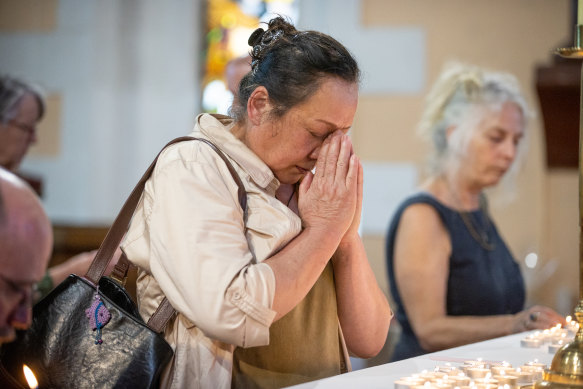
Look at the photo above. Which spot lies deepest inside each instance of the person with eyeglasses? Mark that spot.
(22, 106)
(22, 264)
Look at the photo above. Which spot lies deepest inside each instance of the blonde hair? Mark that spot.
(461, 97)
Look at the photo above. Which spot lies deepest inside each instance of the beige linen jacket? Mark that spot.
(189, 237)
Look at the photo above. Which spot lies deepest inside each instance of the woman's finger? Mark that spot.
(332, 160)
(305, 184)
(321, 161)
(352, 174)
(342, 164)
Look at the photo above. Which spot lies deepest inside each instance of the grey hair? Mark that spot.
(12, 91)
(461, 97)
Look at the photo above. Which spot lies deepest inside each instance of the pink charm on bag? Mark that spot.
(98, 316)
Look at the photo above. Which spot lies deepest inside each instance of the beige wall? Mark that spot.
(511, 35)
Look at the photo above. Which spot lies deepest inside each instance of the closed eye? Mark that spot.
(318, 136)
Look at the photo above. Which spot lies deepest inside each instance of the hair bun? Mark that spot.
(255, 37)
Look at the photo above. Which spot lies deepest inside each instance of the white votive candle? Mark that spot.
(477, 372)
(506, 379)
(524, 377)
(485, 386)
(535, 364)
(449, 370)
(486, 380)
(502, 369)
(426, 385)
(461, 379)
(531, 342)
(554, 347)
(536, 371)
(408, 382)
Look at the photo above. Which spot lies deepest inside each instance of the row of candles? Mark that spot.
(475, 374)
(556, 337)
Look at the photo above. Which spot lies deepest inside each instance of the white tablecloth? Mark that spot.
(506, 348)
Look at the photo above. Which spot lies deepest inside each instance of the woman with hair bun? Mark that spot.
(280, 294)
(451, 275)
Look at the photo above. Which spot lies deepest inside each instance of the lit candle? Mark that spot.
(502, 368)
(506, 379)
(477, 372)
(461, 379)
(487, 380)
(30, 378)
(486, 386)
(442, 385)
(546, 336)
(426, 385)
(408, 382)
(524, 377)
(474, 362)
(553, 348)
(447, 368)
(531, 342)
(535, 370)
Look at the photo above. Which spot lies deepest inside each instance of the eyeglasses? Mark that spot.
(31, 130)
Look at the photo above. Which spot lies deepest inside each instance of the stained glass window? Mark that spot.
(229, 24)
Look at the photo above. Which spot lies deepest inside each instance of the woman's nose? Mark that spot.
(314, 154)
(509, 149)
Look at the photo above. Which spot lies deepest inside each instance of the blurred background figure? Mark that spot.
(25, 248)
(22, 106)
(451, 274)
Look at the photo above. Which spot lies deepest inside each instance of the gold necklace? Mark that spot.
(479, 235)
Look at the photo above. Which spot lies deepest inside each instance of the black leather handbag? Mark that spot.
(87, 333)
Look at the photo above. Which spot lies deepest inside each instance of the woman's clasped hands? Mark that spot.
(329, 197)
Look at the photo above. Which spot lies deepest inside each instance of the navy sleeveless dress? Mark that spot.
(480, 282)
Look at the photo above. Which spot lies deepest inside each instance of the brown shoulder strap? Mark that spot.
(121, 224)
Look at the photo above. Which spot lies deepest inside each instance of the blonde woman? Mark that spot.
(451, 274)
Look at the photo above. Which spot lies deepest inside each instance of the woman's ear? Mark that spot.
(258, 105)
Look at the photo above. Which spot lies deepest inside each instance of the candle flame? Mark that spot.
(30, 378)
(568, 319)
